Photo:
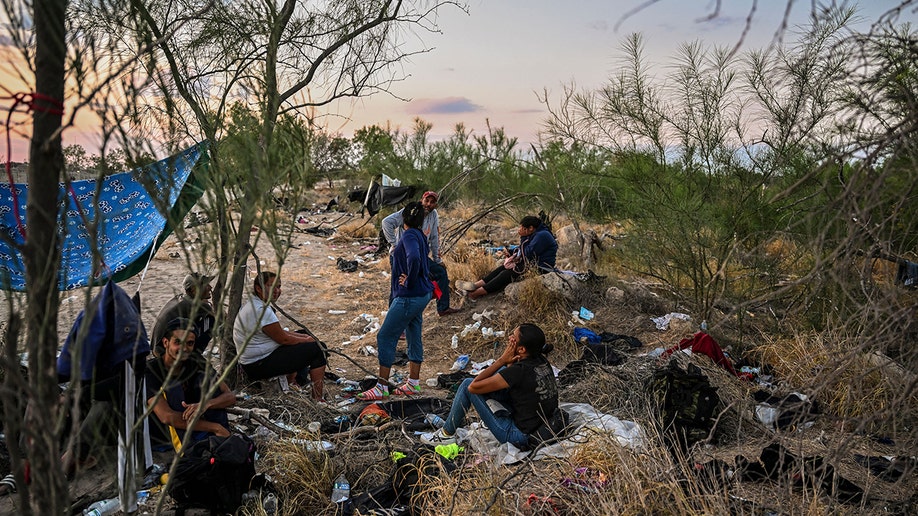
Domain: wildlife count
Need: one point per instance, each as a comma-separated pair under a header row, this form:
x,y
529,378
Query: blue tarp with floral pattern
x,y
131,213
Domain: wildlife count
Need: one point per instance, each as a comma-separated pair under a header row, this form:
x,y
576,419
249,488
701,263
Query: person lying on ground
x,y
194,304
538,250
392,229
411,288
176,388
521,380
267,350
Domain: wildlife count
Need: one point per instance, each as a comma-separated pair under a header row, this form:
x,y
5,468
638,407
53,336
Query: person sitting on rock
x,y
177,386
266,349
521,380
538,249
194,304
392,229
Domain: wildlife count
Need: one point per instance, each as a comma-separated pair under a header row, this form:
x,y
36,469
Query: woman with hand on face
x,y
522,380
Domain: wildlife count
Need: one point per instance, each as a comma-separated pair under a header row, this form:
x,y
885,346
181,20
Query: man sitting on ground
x,y
266,349
176,391
392,229
194,304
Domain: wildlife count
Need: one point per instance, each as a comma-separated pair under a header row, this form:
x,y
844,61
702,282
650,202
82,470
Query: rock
x,y
568,241
615,295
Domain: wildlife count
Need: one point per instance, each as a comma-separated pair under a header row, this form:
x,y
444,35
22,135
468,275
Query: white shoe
x,y
468,286
437,437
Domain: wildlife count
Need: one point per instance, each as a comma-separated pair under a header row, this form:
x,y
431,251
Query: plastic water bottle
x,y
455,342
153,476
435,420
704,325
460,363
341,490
103,507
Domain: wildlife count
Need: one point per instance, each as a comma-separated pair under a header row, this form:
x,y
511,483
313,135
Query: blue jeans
x,y
405,314
438,274
503,427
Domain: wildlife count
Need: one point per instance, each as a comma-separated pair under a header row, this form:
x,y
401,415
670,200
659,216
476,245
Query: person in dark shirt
x,y
411,292
538,250
194,304
176,388
523,383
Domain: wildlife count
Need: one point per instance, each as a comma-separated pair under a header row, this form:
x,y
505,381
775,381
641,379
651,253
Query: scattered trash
x,y
486,315
346,265
478,367
663,321
153,475
337,312
368,351
432,382
469,328
585,314
103,507
460,363
341,490
351,383
314,427
435,420
312,445
449,451
587,480
455,342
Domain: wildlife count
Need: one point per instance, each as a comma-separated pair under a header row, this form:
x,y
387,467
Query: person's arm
x,y
433,238
226,398
175,419
490,380
390,226
278,334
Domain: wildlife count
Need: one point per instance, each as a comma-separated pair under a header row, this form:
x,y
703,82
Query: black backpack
x,y
688,402
214,473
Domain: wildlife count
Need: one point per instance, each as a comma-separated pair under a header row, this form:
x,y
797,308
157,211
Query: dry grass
x,y
840,375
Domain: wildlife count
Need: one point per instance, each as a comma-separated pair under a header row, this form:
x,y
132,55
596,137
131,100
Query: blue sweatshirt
x,y
410,257
540,248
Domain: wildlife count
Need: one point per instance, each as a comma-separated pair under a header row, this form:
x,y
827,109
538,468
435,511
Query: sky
x,y
491,64
488,65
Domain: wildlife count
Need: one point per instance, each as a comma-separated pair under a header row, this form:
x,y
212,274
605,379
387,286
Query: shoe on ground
x,y
437,438
448,311
407,389
468,286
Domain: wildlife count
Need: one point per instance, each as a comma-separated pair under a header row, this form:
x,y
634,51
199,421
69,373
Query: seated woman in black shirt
x,y
521,379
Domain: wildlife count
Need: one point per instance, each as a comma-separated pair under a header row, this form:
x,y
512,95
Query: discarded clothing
x,y
663,321
779,464
347,265
888,469
907,274
583,333
703,343
783,412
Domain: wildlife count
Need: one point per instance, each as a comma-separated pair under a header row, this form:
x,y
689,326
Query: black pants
x,y
498,279
298,358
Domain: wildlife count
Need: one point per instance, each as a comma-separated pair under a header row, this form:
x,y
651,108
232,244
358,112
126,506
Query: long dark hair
x,y
532,338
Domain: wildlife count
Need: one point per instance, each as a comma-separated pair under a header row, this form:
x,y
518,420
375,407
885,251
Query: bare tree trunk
x,y
41,254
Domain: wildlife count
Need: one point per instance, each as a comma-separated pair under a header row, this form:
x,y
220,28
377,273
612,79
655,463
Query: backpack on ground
x,y
688,402
214,473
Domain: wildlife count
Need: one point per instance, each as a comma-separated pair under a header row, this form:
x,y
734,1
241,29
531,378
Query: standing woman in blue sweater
x,y
411,291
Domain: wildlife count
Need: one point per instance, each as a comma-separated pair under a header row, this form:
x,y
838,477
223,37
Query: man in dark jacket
x,y
538,249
